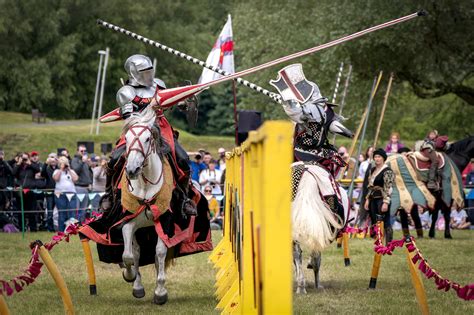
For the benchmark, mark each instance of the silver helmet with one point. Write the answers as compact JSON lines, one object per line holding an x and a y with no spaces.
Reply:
{"x":140,"y":70}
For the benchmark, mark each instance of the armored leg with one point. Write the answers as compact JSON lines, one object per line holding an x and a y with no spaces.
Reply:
{"x":114,"y":168}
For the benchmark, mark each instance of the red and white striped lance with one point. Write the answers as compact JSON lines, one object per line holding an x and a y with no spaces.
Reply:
{"x":169,"y":97}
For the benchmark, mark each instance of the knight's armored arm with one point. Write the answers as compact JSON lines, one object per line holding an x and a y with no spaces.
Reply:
{"x":293,"y":110}
{"x":125,"y":96}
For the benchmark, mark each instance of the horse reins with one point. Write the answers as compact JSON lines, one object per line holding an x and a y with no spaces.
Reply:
{"x":140,"y":149}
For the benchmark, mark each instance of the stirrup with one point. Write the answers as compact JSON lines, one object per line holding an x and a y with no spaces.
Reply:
{"x":189,"y":207}
{"x":432,"y":185}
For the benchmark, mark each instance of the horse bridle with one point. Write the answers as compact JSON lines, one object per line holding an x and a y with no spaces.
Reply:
{"x":140,"y":149}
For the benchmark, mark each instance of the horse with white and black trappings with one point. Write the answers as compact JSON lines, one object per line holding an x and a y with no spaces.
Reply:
{"x":320,"y":207}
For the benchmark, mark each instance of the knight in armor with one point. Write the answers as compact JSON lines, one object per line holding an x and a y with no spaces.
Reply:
{"x":314,"y":119}
{"x":431,"y":144}
{"x":137,"y":93}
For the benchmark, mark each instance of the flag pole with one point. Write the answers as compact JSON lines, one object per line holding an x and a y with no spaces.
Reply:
{"x":234,"y":90}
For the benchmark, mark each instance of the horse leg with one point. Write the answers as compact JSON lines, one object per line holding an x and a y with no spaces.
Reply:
{"x":417,"y":221}
{"x":161,"y":294}
{"x":447,"y":219}
{"x":128,"y":231}
{"x":316,"y":262}
{"x":138,"y":289}
{"x":404,"y":222}
{"x":434,"y":218}
{"x":298,"y":261}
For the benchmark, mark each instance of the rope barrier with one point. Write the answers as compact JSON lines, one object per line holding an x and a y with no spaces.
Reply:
{"x":465,"y":292}
{"x":19,"y":283}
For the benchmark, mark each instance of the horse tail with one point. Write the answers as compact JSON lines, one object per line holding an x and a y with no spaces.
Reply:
{"x":314,"y":224}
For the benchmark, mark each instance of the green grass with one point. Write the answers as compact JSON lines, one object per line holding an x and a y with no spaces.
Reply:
{"x":18,"y":133}
{"x":190,"y":281}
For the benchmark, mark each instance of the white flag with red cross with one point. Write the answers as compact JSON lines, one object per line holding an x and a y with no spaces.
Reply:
{"x":221,"y":56}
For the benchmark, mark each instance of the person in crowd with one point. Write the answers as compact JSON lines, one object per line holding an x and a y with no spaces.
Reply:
{"x":40,"y":184}
{"x":65,"y":153}
{"x":6,"y":173}
{"x":207,"y":157}
{"x":379,"y":190}
{"x":211,"y":176}
{"x":221,"y":159}
{"x":214,"y":208}
{"x":47,"y":171}
{"x":346,"y":172}
{"x":459,"y":219}
{"x":365,"y":164}
{"x":394,"y":143}
{"x":468,"y":174}
{"x":99,"y":180}
{"x":65,"y":191}
{"x":197,"y":166}
{"x":81,"y":167}
{"x":24,"y":172}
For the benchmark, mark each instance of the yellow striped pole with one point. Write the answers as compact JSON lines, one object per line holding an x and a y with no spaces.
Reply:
{"x":90,"y":266}
{"x":377,"y":257}
{"x":345,"y":242}
{"x":417,"y":282}
{"x":58,"y":279}
{"x":3,"y":306}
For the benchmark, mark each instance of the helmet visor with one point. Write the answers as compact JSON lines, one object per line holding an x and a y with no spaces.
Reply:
{"x":146,"y":76}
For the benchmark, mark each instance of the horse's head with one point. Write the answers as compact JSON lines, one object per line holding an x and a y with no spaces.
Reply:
{"x":140,"y":136}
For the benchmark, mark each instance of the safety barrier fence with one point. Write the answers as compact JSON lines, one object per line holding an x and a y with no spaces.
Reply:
{"x":254,"y":258}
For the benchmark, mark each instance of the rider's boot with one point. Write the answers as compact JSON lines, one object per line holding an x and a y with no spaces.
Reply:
{"x":114,"y":165}
{"x":432,"y":173}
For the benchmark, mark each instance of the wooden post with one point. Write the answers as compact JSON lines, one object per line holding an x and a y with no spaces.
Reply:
{"x":345,"y":242}
{"x":377,"y":257}
{"x":58,"y":279}
{"x":417,"y":282}
{"x":3,"y":306}
{"x":90,"y":266}
{"x":387,"y":93}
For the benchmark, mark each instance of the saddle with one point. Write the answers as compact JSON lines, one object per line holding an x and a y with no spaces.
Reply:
{"x":422,"y":163}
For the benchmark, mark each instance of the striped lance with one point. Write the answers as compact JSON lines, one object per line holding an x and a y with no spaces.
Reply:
{"x":253,"y":86}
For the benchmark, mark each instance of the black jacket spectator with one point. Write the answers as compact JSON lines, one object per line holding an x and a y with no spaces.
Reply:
{"x":47,"y":173}
{"x":6,"y":173}
{"x":25,"y":175}
{"x":82,"y":170}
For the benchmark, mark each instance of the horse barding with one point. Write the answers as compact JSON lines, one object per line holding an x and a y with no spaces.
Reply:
{"x":145,"y":224}
{"x":410,"y":190}
{"x":320,"y":207}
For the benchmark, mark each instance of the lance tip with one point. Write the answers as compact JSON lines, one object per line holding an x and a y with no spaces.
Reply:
{"x":422,"y":12}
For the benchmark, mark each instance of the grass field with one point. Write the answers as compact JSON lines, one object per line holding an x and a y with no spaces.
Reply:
{"x":190,"y":281}
{"x":19,"y":133}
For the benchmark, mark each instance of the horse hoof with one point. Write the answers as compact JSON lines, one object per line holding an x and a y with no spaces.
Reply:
{"x":301,"y":291}
{"x":160,"y":300}
{"x":319,"y":287}
{"x":129,"y":276}
{"x":448,"y":236}
{"x":138,"y":293}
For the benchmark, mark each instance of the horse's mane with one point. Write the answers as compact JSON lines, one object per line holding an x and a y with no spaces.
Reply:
{"x":147,"y":117}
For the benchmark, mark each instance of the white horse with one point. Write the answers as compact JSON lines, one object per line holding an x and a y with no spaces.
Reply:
{"x":145,"y":176}
{"x":315,"y":226}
